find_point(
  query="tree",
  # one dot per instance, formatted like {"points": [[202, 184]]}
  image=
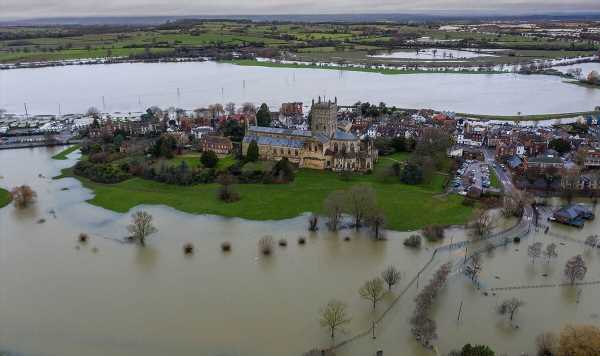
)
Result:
{"points": [[23, 196], [233, 130], [579, 340], [226, 192], [141, 226], [477, 350], [391, 276], [360, 201], [560, 145], [230, 108], [372, 290], [263, 116], [547, 344], [412, 173], [313, 222], [93, 112], [591, 241], [252, 153], [248, 108], [509, 307], [334, 207], [474, 266], [550, 252], [334, 316], [209, 159], [575, 269], [376, 220], [481, 224], [534, 251], [515, 202], [593, 77]]}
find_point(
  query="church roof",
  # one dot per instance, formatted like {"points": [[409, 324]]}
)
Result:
{"points": [[274, 141], [279, 131], [344, 136]]}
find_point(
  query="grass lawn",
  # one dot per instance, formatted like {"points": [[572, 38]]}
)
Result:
{"points": [[407, 207], [5, 198], [62, 155], [494, 181], [193, 161]]}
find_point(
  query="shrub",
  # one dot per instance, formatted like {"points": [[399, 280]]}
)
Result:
{"points": [[265, 245], [347, 238], [23, 196], [433, 232], [516, 239], [301, 240], [283, 242], [83, 237], [413, 241], [209, 159], [188, 248], [226, 246], [227, 194]]}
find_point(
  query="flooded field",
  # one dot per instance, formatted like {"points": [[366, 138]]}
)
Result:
{"points": [[135, 87], [432, 53], [59, 297]]}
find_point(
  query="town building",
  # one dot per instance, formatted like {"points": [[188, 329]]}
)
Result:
{"points": [[220, 145], [324, 146]]}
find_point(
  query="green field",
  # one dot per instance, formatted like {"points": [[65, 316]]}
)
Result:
{"points": [[311, 42], [4, 198], [407, 207], [494, 181], [62, 155]]}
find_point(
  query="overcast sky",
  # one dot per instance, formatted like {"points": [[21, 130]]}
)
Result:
{"points": [[62, 8]]}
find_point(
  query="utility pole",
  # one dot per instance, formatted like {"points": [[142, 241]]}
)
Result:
{"points": [[103, 104], [26, 112]]}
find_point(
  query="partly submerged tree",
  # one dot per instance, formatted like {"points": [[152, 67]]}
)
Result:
{"points": [[372, 290], [141, 226], [334, 208], [334, 316], [509, 307], [579, 340], [391, 276], [23, 196], [575, 269]]}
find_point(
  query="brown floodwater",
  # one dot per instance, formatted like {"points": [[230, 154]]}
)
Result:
{"points": [[58, 297]]}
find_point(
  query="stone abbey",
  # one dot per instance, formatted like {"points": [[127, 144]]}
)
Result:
{"points": [[324, 146]]}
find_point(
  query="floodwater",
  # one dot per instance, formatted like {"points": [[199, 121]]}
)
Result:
{"points": [[134, 87], [432, 53], [107, 297]]}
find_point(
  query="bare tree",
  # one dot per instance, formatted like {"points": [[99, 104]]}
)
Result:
{"points": [[230, 108], [248, 108], [481, 225], [334, 316], [575, 269], [579, 340], [372, 290], [313, 222], [361, 199], [265, 245], [391, 276], [515, 202], [509, 307], [474, 266], [141, 226], [534, 251], [376, 220], [547, 344], [93, 112], [591, 241], [550, 252], [23, 196], [334, 207]]}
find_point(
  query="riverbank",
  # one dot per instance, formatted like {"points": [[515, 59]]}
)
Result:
{"points": [[583, 84], [5, 198], [62, 155], [351, 67], [406, 207]]}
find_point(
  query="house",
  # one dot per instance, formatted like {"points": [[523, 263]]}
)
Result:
{"points": [[220, 145], [545, 161], [592, 159], [201, 131]]}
